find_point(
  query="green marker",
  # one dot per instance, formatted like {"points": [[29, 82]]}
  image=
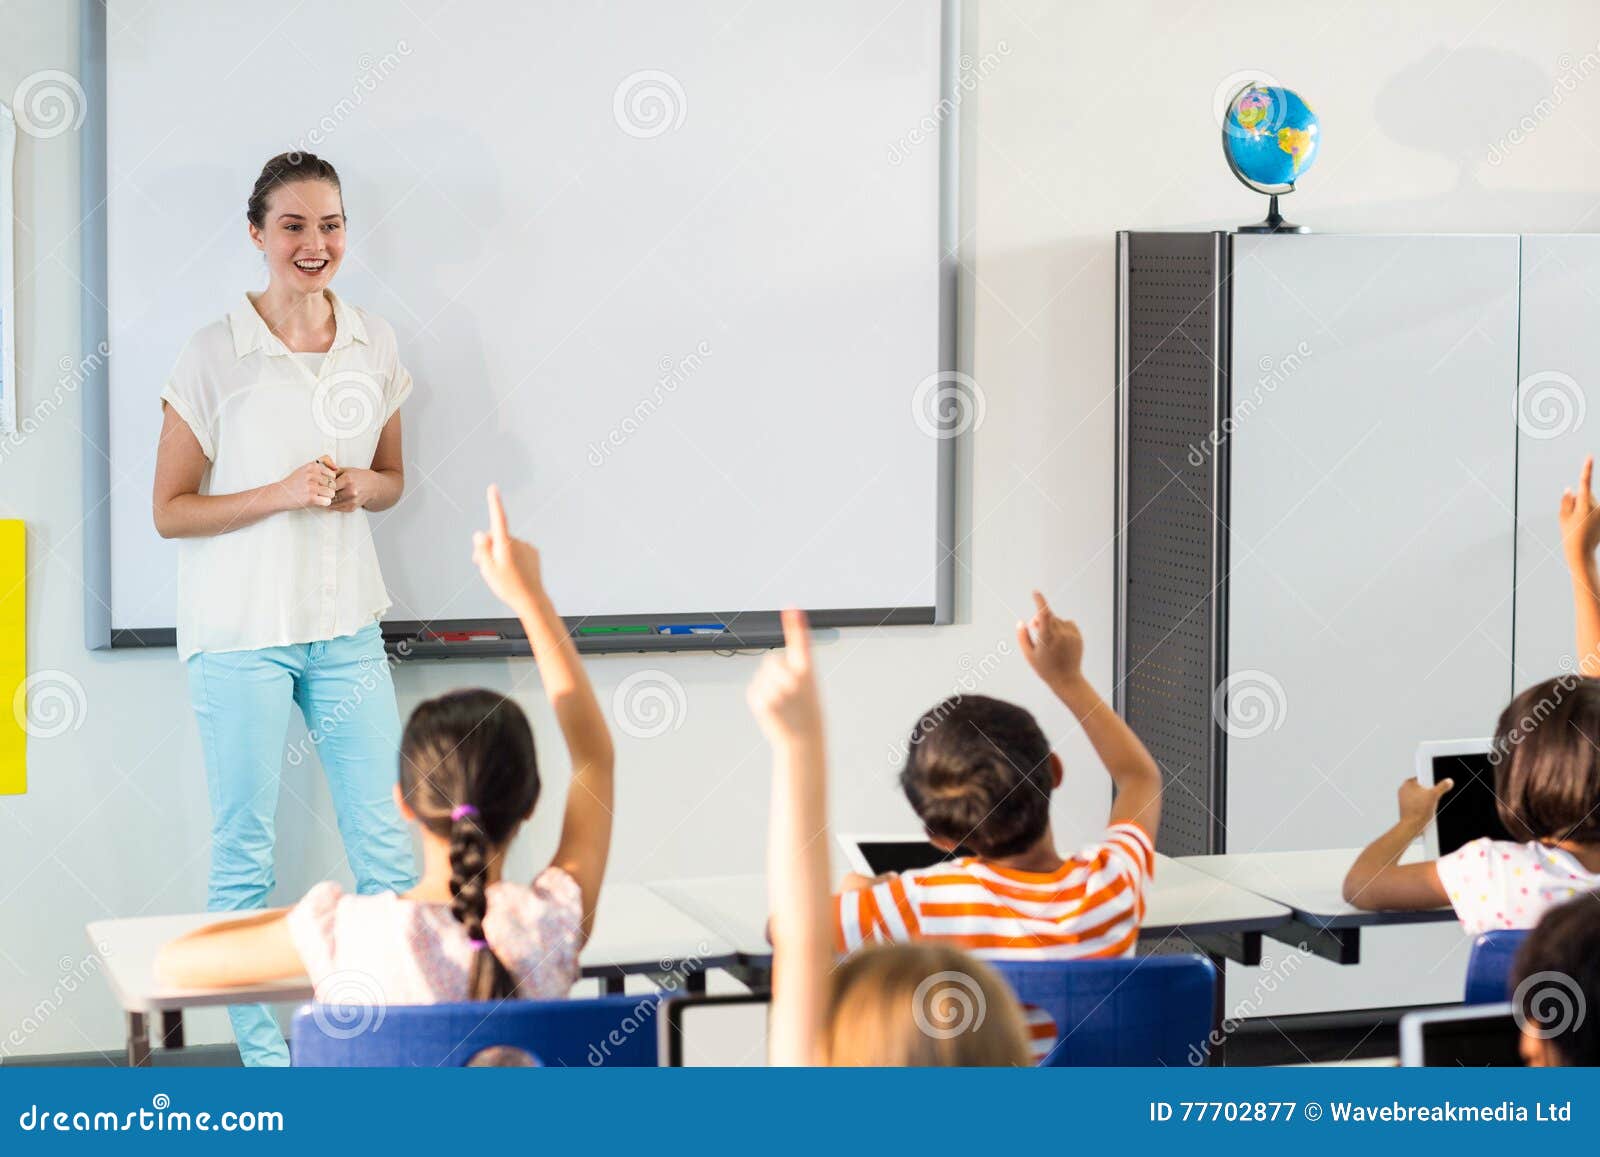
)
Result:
{"points": [[626, 629]]}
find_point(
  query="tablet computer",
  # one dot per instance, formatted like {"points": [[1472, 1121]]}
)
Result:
{"points": [[714, 1031], [1467, 811], [1477, 1035], [876, 855]]}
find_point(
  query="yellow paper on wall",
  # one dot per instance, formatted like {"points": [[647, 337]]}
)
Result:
{"points": [[13, 659]]}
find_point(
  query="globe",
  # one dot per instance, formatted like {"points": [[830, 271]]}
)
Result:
{"points": [[1270, 137]]}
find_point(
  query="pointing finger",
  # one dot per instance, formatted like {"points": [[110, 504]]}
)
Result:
{"points": [[497, 516], [797, 637]]}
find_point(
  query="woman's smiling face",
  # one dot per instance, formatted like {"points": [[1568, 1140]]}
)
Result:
{"points": [[303, 235]]}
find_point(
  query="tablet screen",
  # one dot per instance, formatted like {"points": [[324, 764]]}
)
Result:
{"points": [[884, 856], [1476, 1041], [1467, 811]]}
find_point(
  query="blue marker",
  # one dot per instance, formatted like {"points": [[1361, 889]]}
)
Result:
{"points": [[692, 629]]}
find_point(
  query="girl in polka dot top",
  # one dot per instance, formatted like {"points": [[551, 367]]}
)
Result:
{"points": [[1546, 758]]}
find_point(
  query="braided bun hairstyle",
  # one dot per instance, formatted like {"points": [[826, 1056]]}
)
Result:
{"points": [[286, 169], [468, 771]]}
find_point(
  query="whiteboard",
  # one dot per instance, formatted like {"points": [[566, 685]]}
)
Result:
{"points": [[670, 274]]}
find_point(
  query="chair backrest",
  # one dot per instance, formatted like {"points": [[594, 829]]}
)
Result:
{"points": [[1138, 1010], [1489, 966], [604, 1031]]}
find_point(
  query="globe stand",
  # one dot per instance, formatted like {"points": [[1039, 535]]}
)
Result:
{"points": [[1274, 222]]}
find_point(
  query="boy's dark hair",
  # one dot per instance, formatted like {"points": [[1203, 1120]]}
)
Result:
{"points": [[468, 770], [1547, 761], [286, 169], [977, 773], [1556, 980]]}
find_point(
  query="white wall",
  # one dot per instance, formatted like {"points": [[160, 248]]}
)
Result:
{"points": [[1090, 119]]}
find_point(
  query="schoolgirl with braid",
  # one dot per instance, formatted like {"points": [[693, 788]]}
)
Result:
{"points": [[468, 779]]}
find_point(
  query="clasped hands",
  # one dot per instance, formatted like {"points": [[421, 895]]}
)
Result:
{"points": [[325, 484]]}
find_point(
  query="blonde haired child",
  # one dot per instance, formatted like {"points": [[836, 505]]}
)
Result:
{"points": [[884, 1006]]}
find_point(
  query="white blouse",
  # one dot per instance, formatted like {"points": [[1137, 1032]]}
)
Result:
{"points": [[258, 411]]}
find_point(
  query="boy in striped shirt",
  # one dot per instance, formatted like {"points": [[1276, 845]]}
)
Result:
{"points": [[979, 774]]}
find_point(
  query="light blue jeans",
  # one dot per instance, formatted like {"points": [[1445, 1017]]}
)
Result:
{"points": [[241, 699]]}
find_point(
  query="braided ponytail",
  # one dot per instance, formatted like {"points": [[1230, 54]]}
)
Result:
{"points": [[471, 745], [469, 902]]}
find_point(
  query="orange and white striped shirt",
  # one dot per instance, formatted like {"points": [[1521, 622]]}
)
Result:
{"points": [[1090, 907]]}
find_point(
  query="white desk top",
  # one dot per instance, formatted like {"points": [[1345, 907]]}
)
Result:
{"points": [[635, 930], [1310, 883], [734, 907], [1180, 897], [130, 947]]}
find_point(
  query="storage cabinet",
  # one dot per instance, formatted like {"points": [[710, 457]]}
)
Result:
{"points": [[1320, 559]]}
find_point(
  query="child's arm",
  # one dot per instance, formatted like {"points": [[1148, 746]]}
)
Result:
{"points": [[783, 698], [255, 949], [1054, 649], [511, 568], [1580, 533], [1378, 880]]}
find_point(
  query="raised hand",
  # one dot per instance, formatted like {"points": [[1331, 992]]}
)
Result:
{"points": [[1418, 803], [783, 695], [1052, 646], [508, 565], [308, 486], [1580, 519]]}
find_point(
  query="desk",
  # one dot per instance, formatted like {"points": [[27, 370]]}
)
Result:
{"points": [[1310, 885], [635, 932], [735, 908], [1214, 915], [129, 949]]}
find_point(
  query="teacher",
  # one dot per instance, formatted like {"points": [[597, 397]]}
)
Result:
{"points": [[280, 430]]}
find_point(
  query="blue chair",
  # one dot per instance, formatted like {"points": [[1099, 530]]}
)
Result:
{"points": [[1489, 966], [1139, 1010], [603, 1031]]}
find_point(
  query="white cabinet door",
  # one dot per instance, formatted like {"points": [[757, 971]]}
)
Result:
{"points": [[1371, 526], [1558, 422]]}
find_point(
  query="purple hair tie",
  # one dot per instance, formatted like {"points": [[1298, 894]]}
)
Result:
{"points": [[462, 811], [478, 943]]}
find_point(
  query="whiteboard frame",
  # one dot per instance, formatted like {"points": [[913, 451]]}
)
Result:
{"points": [[8, 272], [746, 629]]}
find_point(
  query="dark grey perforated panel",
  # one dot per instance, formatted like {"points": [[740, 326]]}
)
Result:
{"points": [[1170, 605]]}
